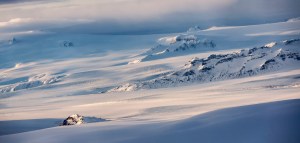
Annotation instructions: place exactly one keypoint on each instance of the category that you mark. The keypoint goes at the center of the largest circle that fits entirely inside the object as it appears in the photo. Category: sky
(138, 16)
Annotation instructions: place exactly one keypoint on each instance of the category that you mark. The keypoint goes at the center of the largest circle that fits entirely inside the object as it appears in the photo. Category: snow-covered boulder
(77, 119)
(74, 119)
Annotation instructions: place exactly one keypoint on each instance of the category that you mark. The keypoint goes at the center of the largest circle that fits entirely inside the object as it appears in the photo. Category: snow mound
(35, 81)
(77, 119)
(248, 62)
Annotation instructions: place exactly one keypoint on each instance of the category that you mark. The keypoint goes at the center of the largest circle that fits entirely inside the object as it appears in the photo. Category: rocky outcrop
(77, 119)
(74, 119)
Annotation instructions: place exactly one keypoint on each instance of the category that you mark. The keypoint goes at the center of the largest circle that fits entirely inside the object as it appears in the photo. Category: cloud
(3, 2)
(29, 24)
(111, 9)
(14, 21)
(141, 16)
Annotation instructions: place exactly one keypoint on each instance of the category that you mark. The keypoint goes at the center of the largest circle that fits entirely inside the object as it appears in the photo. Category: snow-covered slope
(271, 57)
(196, 40)
(275, 122)
(45, 77)
(40, 47)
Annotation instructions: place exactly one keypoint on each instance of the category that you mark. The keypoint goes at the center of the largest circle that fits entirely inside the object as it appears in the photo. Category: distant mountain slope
(181, 44)
(197, 40)
(271, 57)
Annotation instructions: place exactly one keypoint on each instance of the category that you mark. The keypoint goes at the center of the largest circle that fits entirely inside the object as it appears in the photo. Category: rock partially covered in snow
(74, 119)
(77, 119)
(288, 42)
(12, 41)
(66, 44)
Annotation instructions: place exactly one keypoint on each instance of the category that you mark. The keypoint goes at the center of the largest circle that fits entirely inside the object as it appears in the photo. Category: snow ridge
(248, 62)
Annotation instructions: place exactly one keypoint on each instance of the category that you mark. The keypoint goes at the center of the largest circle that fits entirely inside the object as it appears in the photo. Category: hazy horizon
(138, 16)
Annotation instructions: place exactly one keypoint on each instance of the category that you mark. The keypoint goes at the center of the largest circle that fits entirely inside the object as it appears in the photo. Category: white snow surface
(246, 89)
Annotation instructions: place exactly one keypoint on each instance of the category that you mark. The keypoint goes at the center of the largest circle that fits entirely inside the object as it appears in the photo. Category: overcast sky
(138, 16)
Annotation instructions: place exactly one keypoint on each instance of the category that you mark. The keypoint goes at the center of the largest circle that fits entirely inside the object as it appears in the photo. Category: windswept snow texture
(269, 58)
